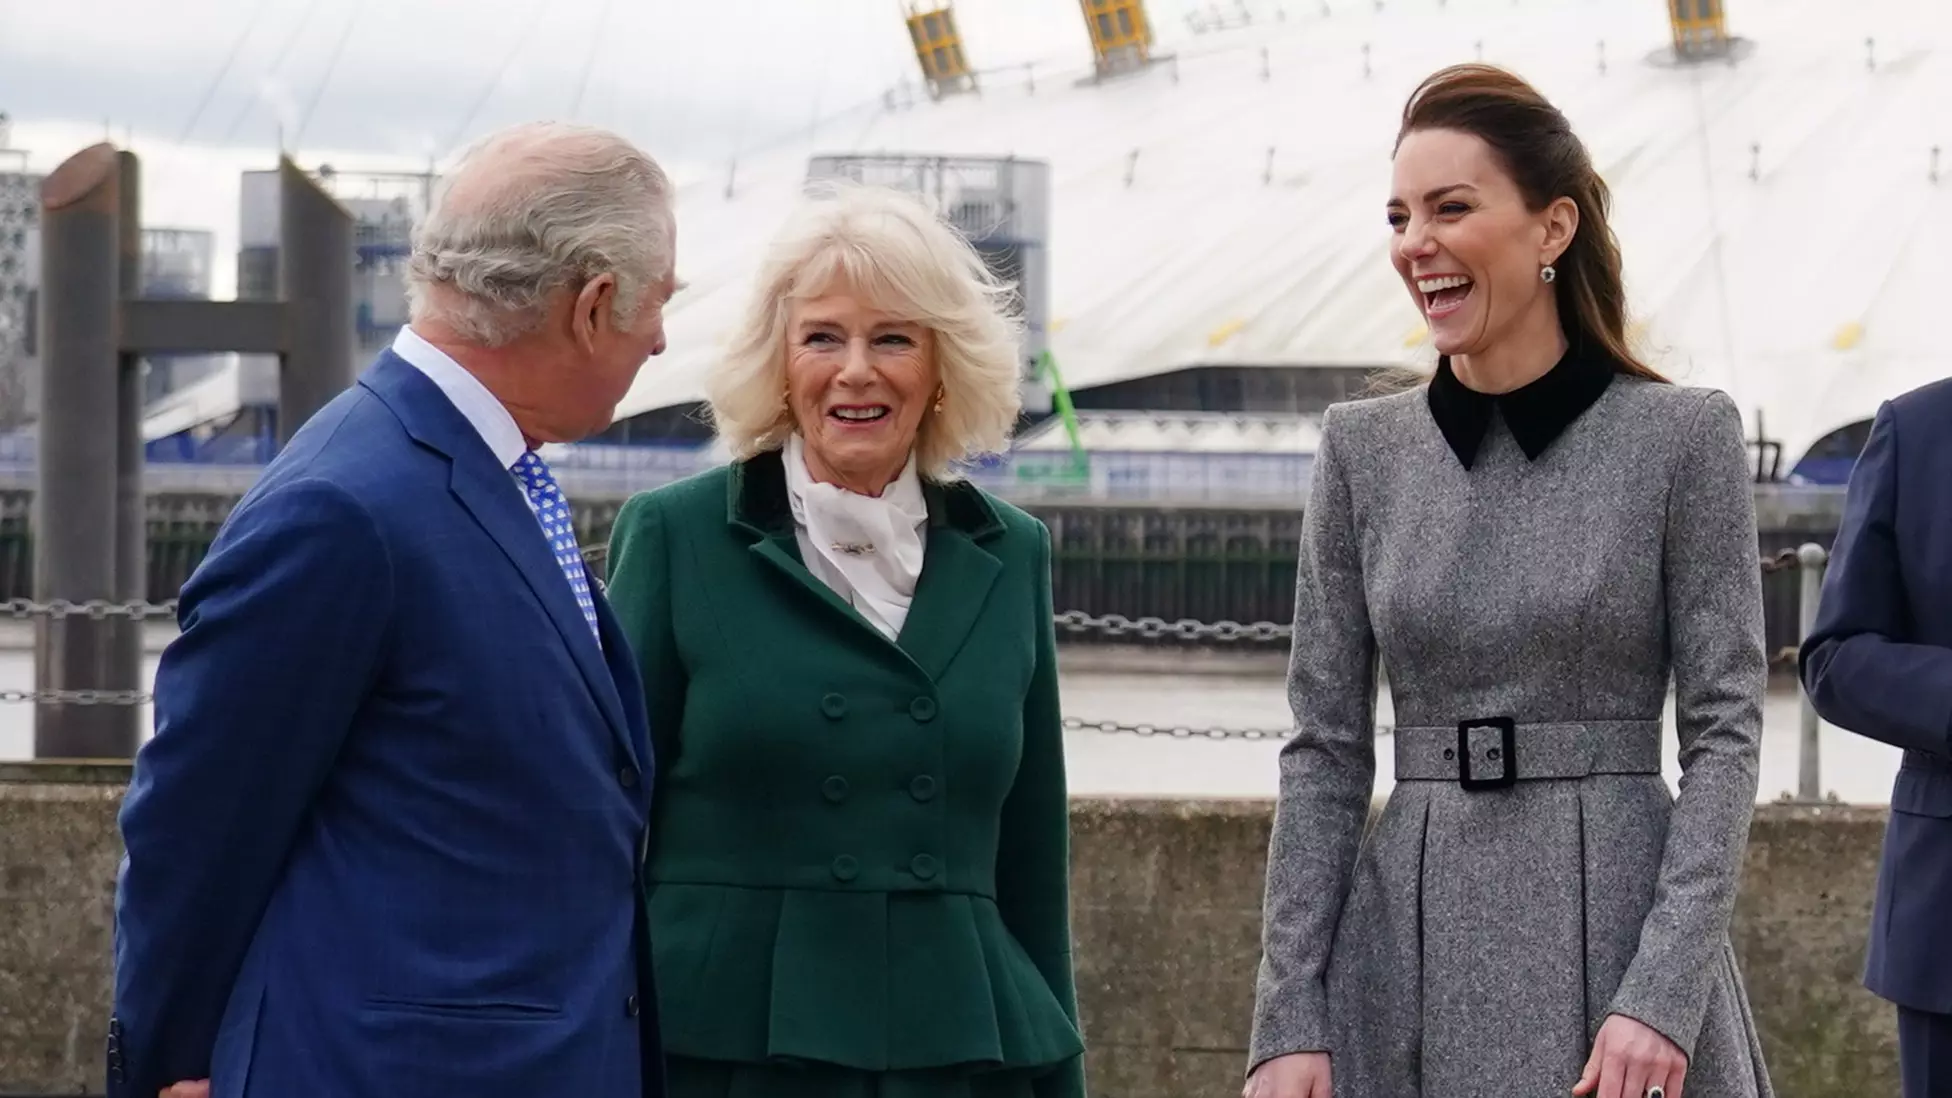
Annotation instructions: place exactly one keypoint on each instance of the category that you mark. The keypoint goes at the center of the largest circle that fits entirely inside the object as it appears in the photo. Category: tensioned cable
(589, 60)
(331, 66)
(521, 39)
(277, 65)
(230, 59)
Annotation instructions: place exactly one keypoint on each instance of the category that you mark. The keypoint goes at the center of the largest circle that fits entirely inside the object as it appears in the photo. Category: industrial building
(228, 416)
(176, 263)
(20, 256)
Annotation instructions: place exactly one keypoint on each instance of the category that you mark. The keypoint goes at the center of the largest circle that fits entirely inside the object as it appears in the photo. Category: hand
(1629, 1057)
(199, 1088)
(1296, 1075)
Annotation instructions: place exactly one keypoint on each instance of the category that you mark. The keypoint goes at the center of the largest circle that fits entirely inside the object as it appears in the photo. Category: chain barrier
(1174, 731)
(1118, 625)
(1071, 622)
(93, 609)
(76, 697)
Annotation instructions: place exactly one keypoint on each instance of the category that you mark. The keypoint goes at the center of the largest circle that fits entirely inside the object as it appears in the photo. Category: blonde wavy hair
(896, 255)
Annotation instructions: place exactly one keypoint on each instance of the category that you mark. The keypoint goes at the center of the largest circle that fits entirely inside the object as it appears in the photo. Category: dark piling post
(131, 501)
(315, 260)
(76, 543)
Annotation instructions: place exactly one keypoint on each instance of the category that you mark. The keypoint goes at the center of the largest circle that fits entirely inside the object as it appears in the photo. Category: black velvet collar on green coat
(1536, 413)
(958, 572)
(757, 500)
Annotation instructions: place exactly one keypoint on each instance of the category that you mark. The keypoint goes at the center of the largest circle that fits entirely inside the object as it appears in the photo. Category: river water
(1197, 690)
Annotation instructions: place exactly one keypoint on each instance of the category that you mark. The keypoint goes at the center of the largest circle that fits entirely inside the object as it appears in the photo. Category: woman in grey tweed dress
(1529, 544)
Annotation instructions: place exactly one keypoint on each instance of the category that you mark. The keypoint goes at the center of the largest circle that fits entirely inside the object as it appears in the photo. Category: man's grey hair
(534, 209)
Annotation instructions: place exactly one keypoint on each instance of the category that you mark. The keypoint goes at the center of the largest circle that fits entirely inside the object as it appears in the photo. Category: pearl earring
(940, 396)
(1548, 274)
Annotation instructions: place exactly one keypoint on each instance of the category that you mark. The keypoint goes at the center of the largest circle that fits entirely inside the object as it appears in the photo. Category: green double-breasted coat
(858, 860)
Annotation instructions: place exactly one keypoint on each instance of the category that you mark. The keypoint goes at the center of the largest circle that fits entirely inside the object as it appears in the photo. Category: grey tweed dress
(1527, 570)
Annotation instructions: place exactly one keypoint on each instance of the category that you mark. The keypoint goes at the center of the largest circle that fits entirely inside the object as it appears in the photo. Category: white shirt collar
(468, 395)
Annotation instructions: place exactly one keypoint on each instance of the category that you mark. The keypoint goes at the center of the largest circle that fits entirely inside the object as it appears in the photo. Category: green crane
(1078, 471)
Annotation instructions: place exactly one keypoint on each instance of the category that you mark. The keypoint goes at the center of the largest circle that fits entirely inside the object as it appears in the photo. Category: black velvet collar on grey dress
(1536, 413)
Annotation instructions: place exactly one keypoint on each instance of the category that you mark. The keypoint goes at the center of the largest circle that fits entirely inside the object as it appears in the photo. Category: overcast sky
(202, 90)
(688, 78)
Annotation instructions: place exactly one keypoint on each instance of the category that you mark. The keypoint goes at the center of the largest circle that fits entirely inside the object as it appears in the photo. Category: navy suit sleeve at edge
(1861, 669)
(281, 632)
(1033, 878)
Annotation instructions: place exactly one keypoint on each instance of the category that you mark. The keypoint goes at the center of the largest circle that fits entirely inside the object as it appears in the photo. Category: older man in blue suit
(1879, 663)
(386, 840)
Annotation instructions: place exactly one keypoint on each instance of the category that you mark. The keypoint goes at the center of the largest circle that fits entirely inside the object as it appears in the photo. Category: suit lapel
(783, 553)
(957, 572)
(957, 575)
(497, 504)
(491, 495)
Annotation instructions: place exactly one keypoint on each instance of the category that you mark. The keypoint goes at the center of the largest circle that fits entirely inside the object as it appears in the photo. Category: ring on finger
(1656, 1091)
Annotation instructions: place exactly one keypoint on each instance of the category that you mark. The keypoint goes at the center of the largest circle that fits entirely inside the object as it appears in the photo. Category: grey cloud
(386, 110)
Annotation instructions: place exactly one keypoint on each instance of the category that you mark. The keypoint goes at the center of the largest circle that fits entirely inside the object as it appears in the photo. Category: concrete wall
(1167, 924)
(58, 854)
(1168, 936)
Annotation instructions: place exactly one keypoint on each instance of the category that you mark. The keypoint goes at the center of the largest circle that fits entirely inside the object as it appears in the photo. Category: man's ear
(592, 313)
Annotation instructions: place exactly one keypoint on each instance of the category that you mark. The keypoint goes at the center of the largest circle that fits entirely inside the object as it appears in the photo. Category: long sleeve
(282, 632)
(639, 589)
(1328, 767)
(1715, 627)
(1033, 870)
(1860, 664)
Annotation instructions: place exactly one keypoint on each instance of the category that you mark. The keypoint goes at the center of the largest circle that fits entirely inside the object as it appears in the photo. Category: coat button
(628, 776)
(922, 865)
(630, 1007)
(834, 706)
(922, 787)
(834, 789)
(845, 868)
(1450, 753)
(922, 709)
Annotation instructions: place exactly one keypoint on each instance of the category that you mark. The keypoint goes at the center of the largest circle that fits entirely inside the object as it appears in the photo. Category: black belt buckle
(1508, 731)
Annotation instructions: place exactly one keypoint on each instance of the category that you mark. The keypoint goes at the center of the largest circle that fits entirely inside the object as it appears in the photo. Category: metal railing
(596, 472)
(1813, 561)
(1809, 560)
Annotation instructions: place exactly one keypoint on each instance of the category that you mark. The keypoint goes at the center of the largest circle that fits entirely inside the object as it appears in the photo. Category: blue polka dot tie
(552, 510)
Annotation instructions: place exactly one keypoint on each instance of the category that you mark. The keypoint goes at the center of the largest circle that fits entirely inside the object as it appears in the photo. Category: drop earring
(940, 396)
(1547, 273)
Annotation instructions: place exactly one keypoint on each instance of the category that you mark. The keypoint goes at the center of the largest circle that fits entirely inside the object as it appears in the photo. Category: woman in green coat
(857, 872)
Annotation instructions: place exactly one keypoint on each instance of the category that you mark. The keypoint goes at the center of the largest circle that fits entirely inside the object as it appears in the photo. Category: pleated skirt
(691, 1078)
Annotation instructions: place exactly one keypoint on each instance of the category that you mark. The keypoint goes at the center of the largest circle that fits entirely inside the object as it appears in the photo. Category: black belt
(1495, 752)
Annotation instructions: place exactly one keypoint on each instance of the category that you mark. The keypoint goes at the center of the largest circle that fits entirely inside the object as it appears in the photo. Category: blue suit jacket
(387, 838)
(1879, 663)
